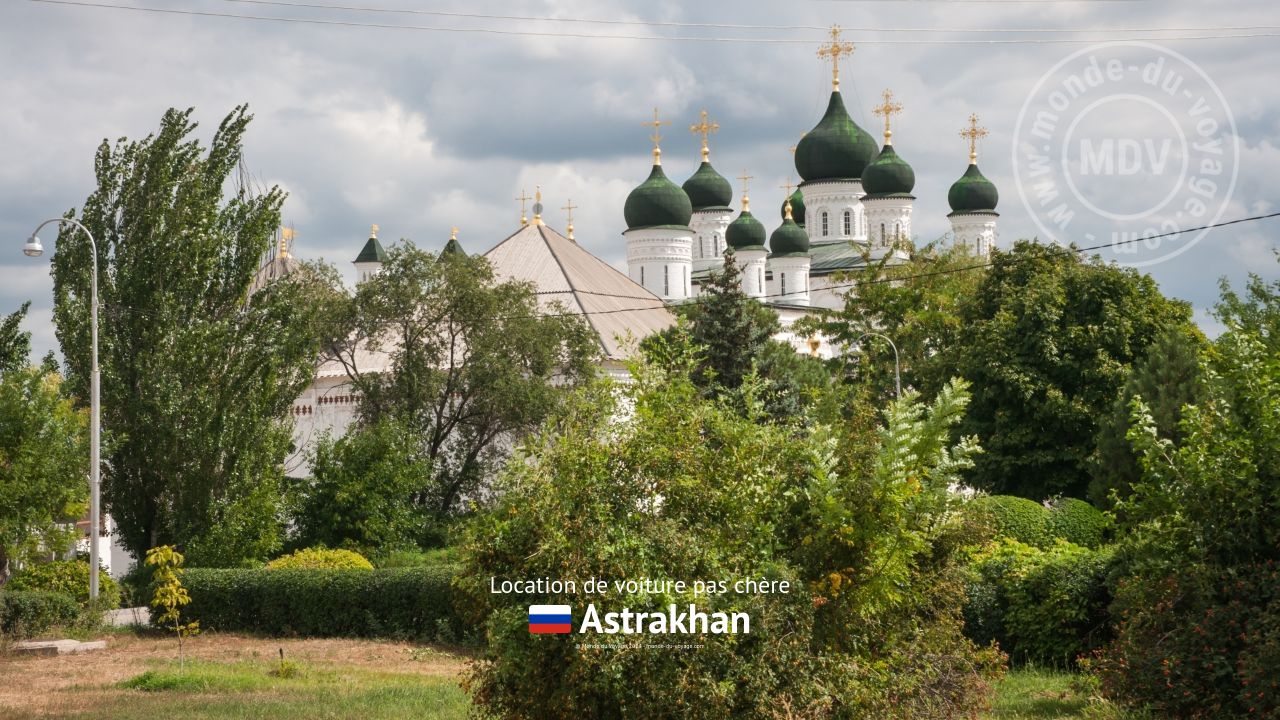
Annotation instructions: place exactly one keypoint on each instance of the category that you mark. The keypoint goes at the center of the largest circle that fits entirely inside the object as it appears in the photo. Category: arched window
(760, 280)
(848, 223)
(897, 230)
(883, 238)
(784, 283)
(824, 223)
(642, 275)
(666, 279)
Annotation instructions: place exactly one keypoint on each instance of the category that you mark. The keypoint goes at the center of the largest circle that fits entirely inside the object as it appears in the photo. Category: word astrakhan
(673, 621)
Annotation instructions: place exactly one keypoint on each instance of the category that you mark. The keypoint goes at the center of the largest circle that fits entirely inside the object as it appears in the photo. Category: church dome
(797, 207)
(888, 174)
(973, 192)
(745, 232)
(657, 202)
(836, 148)
(707, 189)
(788, 239)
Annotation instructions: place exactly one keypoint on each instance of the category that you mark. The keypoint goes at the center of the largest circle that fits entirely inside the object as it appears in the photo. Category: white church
(853, 205)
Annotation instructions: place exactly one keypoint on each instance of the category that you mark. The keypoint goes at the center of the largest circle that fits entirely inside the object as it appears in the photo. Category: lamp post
(897, 368)
(33, 248)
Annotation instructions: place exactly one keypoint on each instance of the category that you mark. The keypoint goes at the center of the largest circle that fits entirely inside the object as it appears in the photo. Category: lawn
(1031, 694)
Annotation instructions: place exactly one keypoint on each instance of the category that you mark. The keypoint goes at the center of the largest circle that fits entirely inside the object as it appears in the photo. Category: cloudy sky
(419, 130)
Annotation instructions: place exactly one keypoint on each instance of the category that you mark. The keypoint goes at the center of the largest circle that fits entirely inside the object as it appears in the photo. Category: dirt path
(30, 685)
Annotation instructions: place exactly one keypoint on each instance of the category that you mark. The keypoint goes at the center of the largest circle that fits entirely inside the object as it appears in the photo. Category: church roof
(371, 252)
(564, 272)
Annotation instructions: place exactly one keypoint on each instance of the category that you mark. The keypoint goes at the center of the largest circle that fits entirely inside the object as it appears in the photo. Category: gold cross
(704, 129)
(453, 233)
(973, 133)
(286, 237)
(888, 110)
(524, 198)
(746, 179)
(568, 208)
(834, 50)
(656, 137)
(373, 231)
(786, 205)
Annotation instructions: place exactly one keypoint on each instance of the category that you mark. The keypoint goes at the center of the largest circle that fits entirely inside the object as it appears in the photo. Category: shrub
(410, 604)
(1078, 522)
(321, 559)
(1043, 606)
(1213, 635)
(24, 613)
(419, 558)
(69, 577)
(1015, 518)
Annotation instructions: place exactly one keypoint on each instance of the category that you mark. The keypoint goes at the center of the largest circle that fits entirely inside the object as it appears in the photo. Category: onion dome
(836, 148)
(657, 202)
(797, 207)
(745, 232)
(888, 174)
(789, 238)
(707, 189)
(973, 192)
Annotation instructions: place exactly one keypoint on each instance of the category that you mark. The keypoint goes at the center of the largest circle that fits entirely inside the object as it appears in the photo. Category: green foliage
(361, 492)
(1166, 379)
(475, 363)
(1047, 340)
(685, 487)
(1077, 522)
(15, 344)
(320, 559)
(1014, 518)
(409, 604)
(1043, 606)
(68, 577)
(733, 339)
(197, 373)
(419, 558)
(169, 596)
(25, 613)
(44, 459)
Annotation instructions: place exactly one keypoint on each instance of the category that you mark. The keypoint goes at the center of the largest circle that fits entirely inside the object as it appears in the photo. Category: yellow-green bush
(69, 577)
(321, 559)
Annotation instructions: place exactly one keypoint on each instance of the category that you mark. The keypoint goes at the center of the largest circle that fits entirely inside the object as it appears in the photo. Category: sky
(420, 130)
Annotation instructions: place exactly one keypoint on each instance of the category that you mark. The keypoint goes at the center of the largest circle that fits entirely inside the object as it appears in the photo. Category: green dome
(745, 232)
(797, 207)
(973, 192)
(836, 148)
(789, 239)
(888, 174)
(707, 188)
(657, 202)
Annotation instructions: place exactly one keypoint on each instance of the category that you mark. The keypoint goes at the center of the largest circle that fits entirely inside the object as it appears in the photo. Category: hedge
(1076, 521)
(25, 613)
(69, 577)
(321, 559)
(1016, 518)
(406, 604)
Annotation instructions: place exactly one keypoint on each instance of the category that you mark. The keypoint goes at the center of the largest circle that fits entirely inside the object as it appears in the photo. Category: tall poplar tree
(197, 376)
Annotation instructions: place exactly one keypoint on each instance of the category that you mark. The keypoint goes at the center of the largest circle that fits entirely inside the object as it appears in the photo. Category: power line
(669, 38)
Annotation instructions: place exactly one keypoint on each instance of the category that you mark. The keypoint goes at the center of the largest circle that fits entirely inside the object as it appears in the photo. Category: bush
(1211, 634)
(409, 604)
(419, 558)
(1015, 518)
(1078, 522)
(1042, 606)
(69, 577)
(24, 613)
(321, 559)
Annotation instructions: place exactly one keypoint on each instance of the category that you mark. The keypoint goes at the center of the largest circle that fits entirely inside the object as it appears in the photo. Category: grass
(1037, 694)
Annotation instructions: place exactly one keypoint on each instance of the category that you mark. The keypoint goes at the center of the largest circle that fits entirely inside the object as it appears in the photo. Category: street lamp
(897, 368)
(33, 248)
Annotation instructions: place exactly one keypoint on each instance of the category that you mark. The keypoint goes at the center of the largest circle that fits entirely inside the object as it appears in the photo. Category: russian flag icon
(550, 619)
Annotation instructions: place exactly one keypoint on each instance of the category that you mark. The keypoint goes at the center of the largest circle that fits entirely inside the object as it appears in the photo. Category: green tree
(44, 465)
(360, 493)
(1047, 341)
(15, 344)
(685, 487)
(1166, 378)
(918, 304)
(170, 596)
(197, 376)
(474, 362)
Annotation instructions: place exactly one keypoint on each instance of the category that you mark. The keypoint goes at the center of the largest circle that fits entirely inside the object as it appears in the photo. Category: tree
(733, 336)
(44, 463)
(360, 494)
(197, 376)
(474, 362)
(1166, 378)
(170, 596)
(918, 304)
(15, 345)
(1046, 342)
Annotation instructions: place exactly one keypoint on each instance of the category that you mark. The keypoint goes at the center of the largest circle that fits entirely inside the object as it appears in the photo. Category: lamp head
(33, 248)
